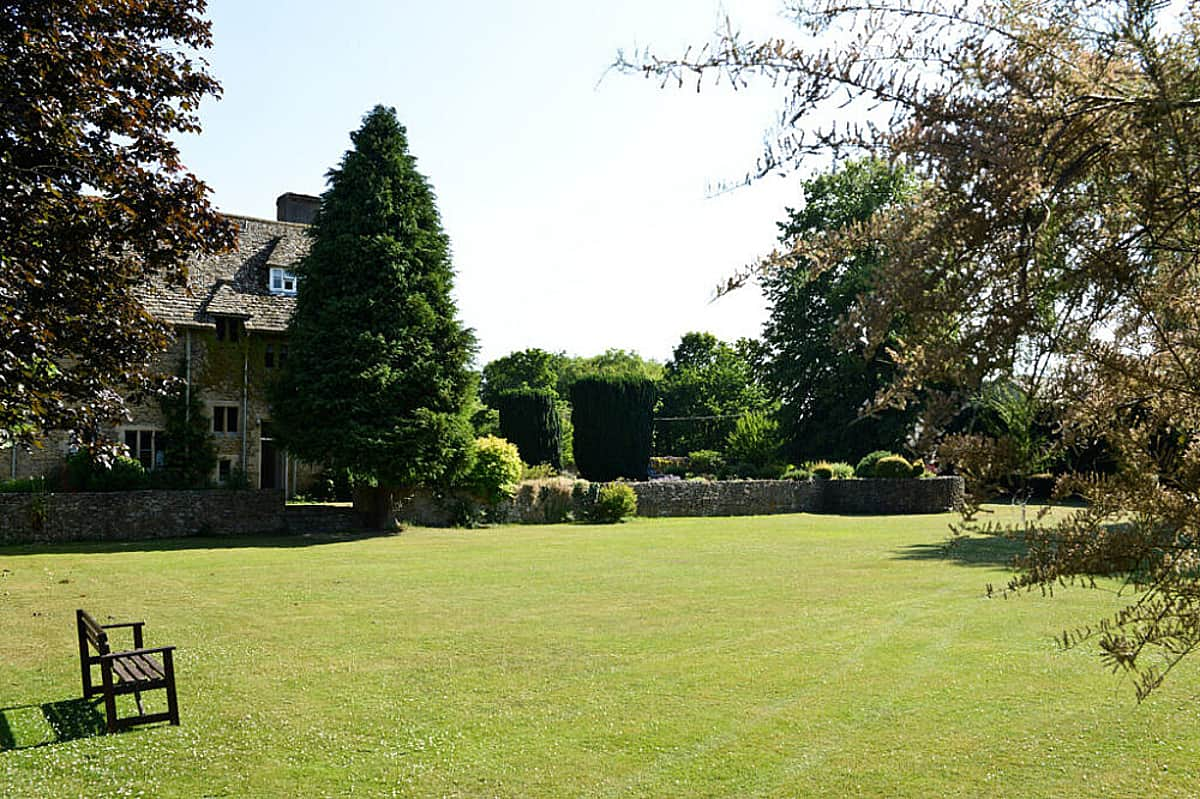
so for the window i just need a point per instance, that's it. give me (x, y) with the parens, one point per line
(224, 470)
(228, 328)
(225, 419)
(145, 446)
(269, 357)
(282, 281)
(282, 354)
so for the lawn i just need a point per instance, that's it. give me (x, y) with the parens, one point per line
(768, 656)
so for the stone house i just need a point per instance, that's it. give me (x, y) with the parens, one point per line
(230, 324)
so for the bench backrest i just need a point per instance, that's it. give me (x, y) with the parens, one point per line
(90, 632)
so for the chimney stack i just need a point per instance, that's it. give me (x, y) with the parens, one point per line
(290, 207)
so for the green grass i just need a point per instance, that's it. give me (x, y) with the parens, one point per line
(769, 656)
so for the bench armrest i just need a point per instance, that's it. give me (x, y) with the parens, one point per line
(138, 639)
(131, 652)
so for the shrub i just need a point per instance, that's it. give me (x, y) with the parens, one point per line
(797, 473)
(125, 474)
(613, 419)
(168, 480)
(669, 464)
(1041, 486)
(769, 471)
(755, 439)
(542, 471)
(331, 486)
(744, 470)
(24, 485)
(824, 470)
(496, 471)
(77, 471)
(485, 421)
(842, 471)
(547, 501)
(706, 461)
(237, 480)
(918, 469)
(83, 473)
(614, 502)
(893, 467)
(866, 466)
(529, 419)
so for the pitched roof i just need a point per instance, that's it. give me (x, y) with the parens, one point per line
(235, 283)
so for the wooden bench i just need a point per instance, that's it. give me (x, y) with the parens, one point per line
(130, 671)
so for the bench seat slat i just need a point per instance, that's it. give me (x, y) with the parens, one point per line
(138, 668)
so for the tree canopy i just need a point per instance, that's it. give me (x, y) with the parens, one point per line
(827, 382)
(518, 371)
(610, 363)
(377, 379)
(535, 368)
(706, 386)
(1055, 242)
(96, 201)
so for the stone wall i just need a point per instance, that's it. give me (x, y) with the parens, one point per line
(138, 515)
(317, 519)
(548, 500)
(762, 497)
(727, 497)
(880, 497)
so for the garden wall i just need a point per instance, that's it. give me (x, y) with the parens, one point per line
(319, 519)
(762, 497)
(728, 497)
(701, 498)
(886, 497)
(134, 515)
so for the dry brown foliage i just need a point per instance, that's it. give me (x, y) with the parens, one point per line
(1055, 242)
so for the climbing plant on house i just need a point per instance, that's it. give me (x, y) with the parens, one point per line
(188, 450)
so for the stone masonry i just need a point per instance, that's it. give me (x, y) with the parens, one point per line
(138, 515)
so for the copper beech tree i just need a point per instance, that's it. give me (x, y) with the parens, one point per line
(95, 200)
(1053, 242)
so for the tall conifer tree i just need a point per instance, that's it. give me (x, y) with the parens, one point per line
(377, 380)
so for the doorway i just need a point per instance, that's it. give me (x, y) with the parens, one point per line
(272, 473)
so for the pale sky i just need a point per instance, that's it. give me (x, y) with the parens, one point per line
(578, 209)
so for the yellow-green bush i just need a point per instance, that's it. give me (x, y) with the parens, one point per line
(824, 470)
(614, 502)
(893, 467)
(496, 471)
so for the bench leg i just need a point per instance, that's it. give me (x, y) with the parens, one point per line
(172, 701)
(84, 664)
(110, 699)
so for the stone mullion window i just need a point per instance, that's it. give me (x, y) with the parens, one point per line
(226, 419)
(145, 446)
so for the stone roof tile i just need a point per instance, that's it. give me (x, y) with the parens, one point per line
(234, 283)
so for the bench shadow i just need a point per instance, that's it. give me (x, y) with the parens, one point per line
(283, 541)
(68, 720)
(989, 551)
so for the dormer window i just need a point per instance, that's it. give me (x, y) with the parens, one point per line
(282, 281)
(228, 328)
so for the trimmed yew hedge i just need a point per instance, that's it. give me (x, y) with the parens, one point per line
(529, 419)
(613, 419)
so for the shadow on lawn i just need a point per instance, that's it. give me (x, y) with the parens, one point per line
(30, 726)
(190, 542)
(973, 551)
